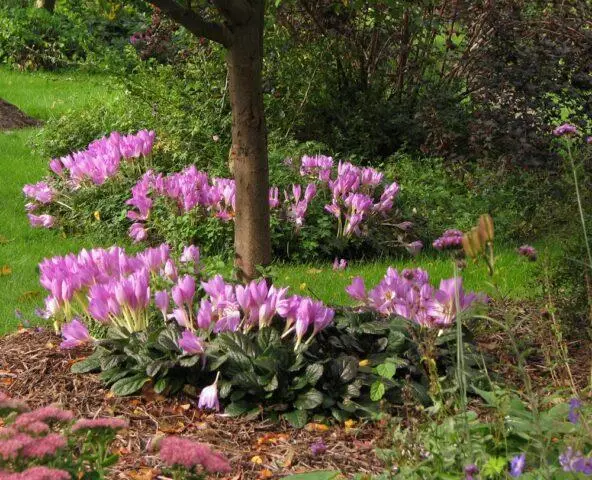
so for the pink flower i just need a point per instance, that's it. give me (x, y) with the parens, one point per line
(565, 129)
(161, 299)
(176, 451)
(37, 473)
(357, 289)
(414, 247)
(45, 221)
(138, 232)
(107, 423)
(44, 414)
(191, 344)
(339, 264)
(74, 333)
(42, 447)
(208, 398)
(528, 251)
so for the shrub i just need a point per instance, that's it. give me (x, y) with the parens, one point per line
(33, 38)
(253, 346)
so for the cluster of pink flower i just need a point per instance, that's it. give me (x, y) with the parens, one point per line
(449, 240)
(352, 195)
(108, 284)
(191, 455)
(189, 189)
(101, 160)
(39, 436)
(114, 288)
(410, 295)
(353, 192)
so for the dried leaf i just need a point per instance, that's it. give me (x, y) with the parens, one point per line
(177, 427)
(265, 473)
(5, 271)
(289, 457)
(314, 271)
(28, 295)
(316, 427)
(3, 240)
(144, 473)
(257, 460)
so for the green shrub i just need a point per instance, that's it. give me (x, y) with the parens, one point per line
(33, 38)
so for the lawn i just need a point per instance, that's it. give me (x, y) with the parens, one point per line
(21, 247)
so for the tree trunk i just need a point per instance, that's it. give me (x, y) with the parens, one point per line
(249, 145)
(49, 5)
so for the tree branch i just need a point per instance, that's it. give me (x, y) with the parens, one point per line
(236, 11)
(194, 22)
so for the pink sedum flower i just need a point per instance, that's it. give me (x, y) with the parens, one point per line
(107, 423)
(177, 451)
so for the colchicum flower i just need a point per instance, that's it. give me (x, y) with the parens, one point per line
(208, 398)
(74, 333)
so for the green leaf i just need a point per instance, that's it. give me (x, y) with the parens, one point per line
(320, 475)
(272, 385)
(110, 361)
(161, 385)
(494, 466)
(345, 368)
(313, 373)
(235, 409)
(190, 361)
(297, 418)
(386, 370)
(309, 400)
(89, 364)
(129, 385)
(168, 340)
(377, 391)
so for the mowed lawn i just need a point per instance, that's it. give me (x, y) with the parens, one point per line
(22, 248)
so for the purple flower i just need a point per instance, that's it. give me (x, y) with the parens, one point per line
(161, 299)
(40, 192)
(208, 398)
(184, 291)
(204, 314)
(175, 451)
(565, 129)
(181, 317)
(414, 248)
(45, 221)
(450, 239)
(339, 264)
(191, 344)
(528, 251)
(517, 465)
(191, 254)
(138, 232)
(318, 448)
(74, 333)
(357, 289)
(574, 410)
(471, 470)
(106, 423)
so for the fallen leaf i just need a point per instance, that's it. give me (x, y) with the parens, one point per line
(316, 427)
(364, 363)
(349, 424)
(289, 458)
(272, 438)
(5, 271)
(265, 473)
(144, 473)
(28, 295)
(314, 271)
(3, 240)
(97, 215)
(257, 460)
(177, 427)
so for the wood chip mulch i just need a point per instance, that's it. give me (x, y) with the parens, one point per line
(11, 117)
(33, 368)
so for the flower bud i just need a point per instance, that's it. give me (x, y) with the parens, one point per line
(486, 228)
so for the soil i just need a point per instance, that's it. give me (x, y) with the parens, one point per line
(35, 369)
(12, 118)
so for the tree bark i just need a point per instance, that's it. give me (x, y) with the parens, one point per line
(252, 237)
(49, 5)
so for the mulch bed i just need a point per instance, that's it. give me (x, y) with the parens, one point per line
(33, 368)
(12, 118)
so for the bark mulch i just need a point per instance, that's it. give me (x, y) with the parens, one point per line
(33, 368)
(12, 118)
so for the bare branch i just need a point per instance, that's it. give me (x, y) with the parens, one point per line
(236, 11)
(194, 22)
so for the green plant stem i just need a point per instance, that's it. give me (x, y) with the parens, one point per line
(580, 208)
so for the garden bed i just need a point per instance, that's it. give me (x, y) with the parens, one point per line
(11, 117)
(32, 367)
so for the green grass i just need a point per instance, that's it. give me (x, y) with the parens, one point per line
(21, 247)
(515, 277)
